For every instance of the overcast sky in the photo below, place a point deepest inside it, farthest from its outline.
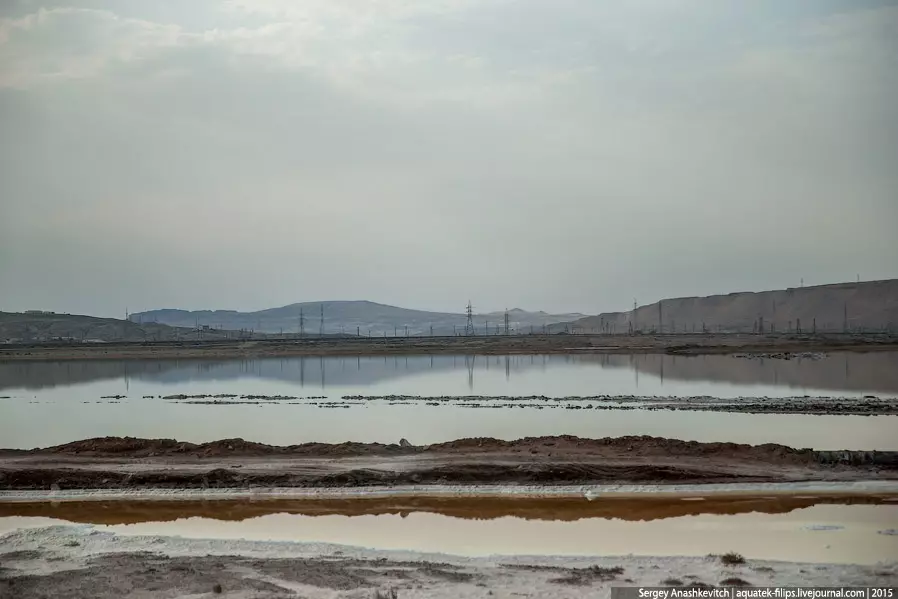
(558, 155)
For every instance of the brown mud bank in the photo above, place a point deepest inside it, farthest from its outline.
(688, 344)
(130, 463)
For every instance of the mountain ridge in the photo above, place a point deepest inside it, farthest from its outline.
(352, 316)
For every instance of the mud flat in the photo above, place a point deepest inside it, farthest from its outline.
(116, 463)
(844, 406)
(81, 562)
(782, 345)
(869, 405)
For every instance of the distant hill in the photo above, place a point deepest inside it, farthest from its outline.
(37, 327)
(350, 317)
(864, 306)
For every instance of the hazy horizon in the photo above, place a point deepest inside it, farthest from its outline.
(566, 157)
(415, 308)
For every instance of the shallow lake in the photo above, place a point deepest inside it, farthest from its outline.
(816, 532)
(47, 403)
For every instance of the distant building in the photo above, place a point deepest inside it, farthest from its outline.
(39, 312)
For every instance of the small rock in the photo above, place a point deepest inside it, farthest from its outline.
(217, 589)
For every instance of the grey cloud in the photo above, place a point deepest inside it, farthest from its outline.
(561, 159)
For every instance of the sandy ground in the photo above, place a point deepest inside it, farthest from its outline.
(128, 463)
(503, 345)
(79, 562)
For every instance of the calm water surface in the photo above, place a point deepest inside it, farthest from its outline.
(819, 533)
(48, 403)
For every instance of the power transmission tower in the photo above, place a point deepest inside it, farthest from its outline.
(469, 326)
(302, 324)
(321, 326)
(506, 321)
(845, 318)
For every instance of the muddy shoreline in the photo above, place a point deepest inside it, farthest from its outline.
(869, 405)
(843, 406)
(81, 562)
(129, 463)
(682, 344)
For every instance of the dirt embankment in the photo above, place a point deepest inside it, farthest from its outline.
(561, 446)
(127, 463)
(494, 345)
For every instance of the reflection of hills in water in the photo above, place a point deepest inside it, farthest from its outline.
(312, 371)
(562, 509)
(839, 372)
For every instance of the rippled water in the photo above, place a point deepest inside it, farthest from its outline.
(48, 403)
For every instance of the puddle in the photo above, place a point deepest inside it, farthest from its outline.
(796, 529)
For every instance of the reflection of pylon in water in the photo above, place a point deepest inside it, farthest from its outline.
(469, 363)
(469, 326)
